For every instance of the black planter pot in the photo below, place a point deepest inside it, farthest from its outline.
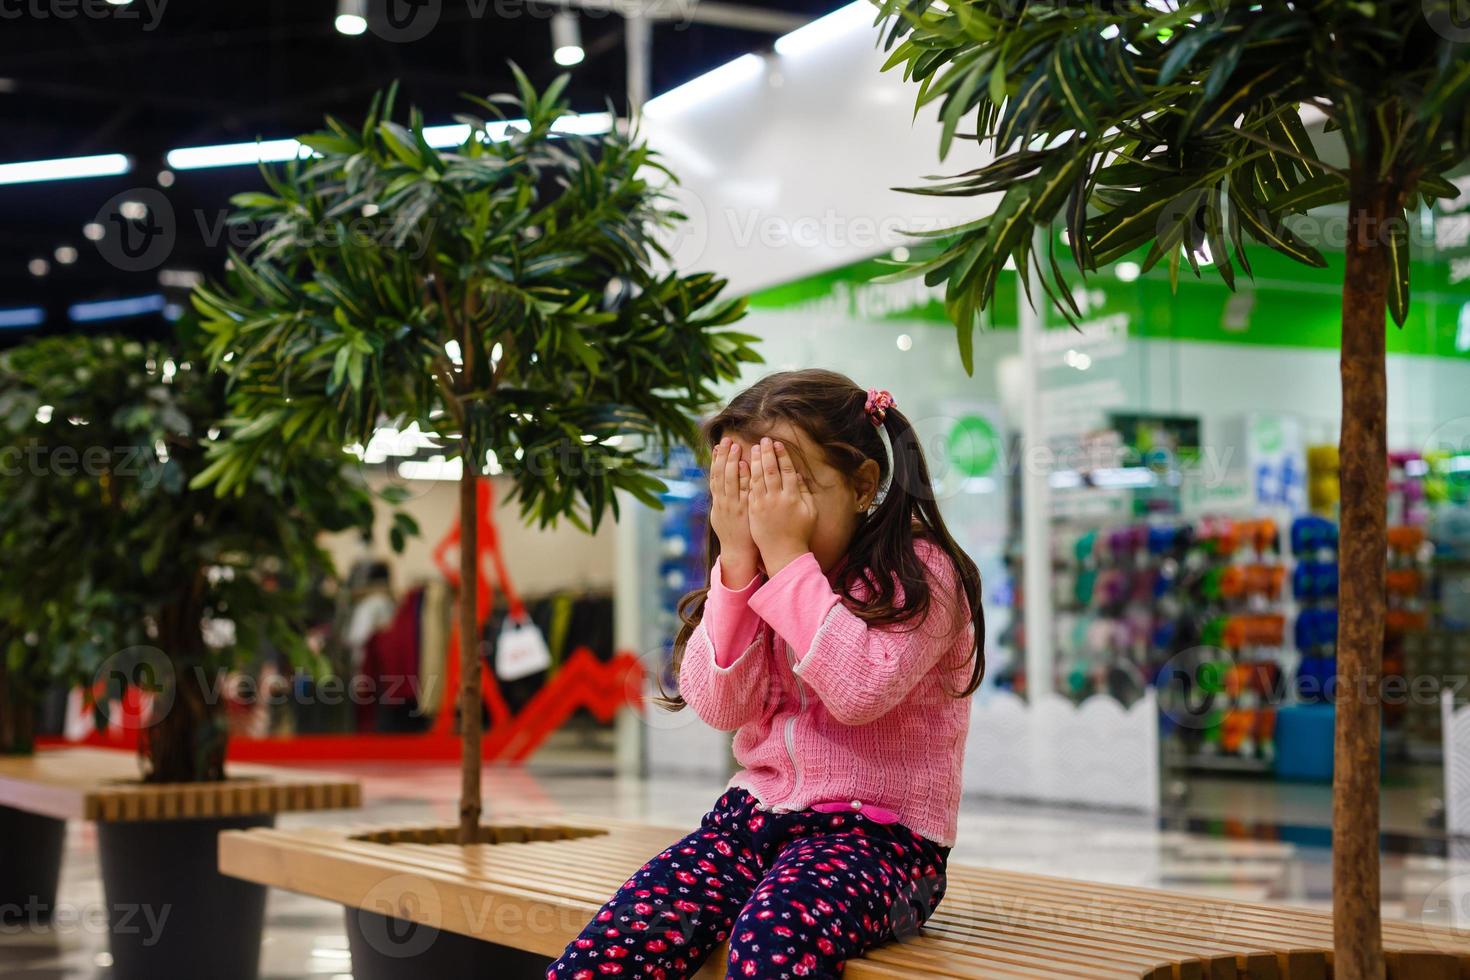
(30, 864)
(385, 948)
(171, 915)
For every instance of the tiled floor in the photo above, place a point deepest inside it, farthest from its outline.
(305, 939)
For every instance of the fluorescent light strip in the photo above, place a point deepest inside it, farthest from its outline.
(584, 124)
(65, 168)
(22, 316)
(822, 30)
(439, 137)
(234, 154)
(745, 68)
(115, 309)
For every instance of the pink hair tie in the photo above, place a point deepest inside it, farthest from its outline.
(879, 402)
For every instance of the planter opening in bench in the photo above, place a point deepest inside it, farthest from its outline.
(489, 834)
(1306, 964)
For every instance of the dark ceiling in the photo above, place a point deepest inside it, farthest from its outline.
(80, 77)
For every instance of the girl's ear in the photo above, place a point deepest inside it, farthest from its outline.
(865, 484)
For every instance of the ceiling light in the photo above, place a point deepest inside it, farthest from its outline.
(38, 267)
(234, 154)
(566, 39)
(93, 231)
(439, 137)
(179, 278)
(165, 178)
(66, 168)
(352, 17)
(116, 309)
(133, 210)
(822, 30)
(720, 80)
(23, 316)
(65, 254)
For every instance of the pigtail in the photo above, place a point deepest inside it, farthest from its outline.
(908, 509)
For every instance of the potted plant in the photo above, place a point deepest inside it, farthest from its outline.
(31, 845)
(1178, 127)
(129, 576)
(504, 295)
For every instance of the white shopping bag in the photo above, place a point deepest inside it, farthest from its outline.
(520, 651)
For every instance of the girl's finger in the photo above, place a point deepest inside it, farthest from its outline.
(769, 465)
(784, 465)
(744, 477)
(732, 469)
(717, 470)
(757, 472)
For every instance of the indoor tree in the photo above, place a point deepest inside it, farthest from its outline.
(503, 293)
(1178, 125)
(116, 568)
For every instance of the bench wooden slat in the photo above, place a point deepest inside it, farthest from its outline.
(569, 870)
(103, 784)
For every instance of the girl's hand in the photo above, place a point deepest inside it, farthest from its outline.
(729, 488)
(783, 511)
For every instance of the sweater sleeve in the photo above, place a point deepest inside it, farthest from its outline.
(729, 696)
(728, 615)
(859, 672)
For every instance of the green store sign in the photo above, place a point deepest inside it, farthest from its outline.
(973, 446)
(1285, 305)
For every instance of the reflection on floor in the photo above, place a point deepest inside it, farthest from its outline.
(1412, 798)
(305, 939)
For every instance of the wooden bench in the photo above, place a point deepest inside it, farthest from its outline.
(536, 882)
(170, 913)
(103, 785)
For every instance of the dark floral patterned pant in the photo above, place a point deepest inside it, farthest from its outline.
(796, 894)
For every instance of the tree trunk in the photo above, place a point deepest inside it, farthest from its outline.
(469, 648)
(186, 736)
(1362, 559)
(17, 714)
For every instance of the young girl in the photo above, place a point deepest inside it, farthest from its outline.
(839, 637)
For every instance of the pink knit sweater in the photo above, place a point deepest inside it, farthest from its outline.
(826, 709)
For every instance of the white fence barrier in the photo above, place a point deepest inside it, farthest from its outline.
(1097, 753)
(1455, 723)
(677, 743)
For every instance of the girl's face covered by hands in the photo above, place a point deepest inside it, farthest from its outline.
(800, 502)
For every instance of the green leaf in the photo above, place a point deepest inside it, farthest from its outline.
(329, 145)
(1253, 217)
(1182, 50)
(1398, 283)
(998, 80)
(400, 143)
(1327, 188)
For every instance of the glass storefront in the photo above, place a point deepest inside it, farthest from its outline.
(1188, 445)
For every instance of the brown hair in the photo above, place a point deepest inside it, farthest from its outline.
(830, 408)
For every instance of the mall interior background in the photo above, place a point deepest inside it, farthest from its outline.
(1180, 477)
(1181, 461)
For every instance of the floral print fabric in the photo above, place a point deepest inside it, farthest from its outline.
(795, 894)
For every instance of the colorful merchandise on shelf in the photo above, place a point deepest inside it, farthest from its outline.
(1196, 608)
(1229, 627)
